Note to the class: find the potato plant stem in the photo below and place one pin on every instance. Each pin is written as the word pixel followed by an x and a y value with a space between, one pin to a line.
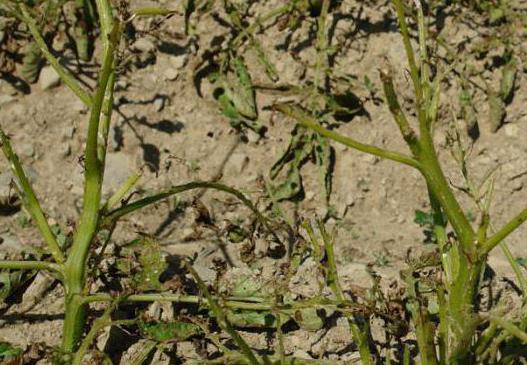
pixel 64 74
pixel 30 265
pixel 75 272
pixel 30 200
pixel 309 122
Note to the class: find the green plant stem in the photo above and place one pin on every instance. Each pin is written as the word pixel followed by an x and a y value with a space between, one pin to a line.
pixel 92 185
pixel 101 322
pixel 502 233
pixel 30 200
pixel 151 11
pixel 247 32
pixel 309 122
pixel 414 71
pixel 30 265
pixel 360 331
pixel 121 192
pixel 398 115
pixel 510 328
pixel 75 308
pixel 321 46
pixel 64 74
pixel 423 325
pixel 222 321
pixel 118 213
pixel 343 305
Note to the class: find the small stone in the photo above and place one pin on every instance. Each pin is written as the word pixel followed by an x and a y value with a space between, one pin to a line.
pixel 48 78
pixel 79 106
pixel 179 61
pixel 144 45
pixel 238 162
pixel 310 194
pixel 65 150
pixel 5 99
pixel 511 130
pixel 159 104
pixel 300 354
pixel 118 169
pixel 121 85
pixel 252 136
pixel 26 150
pixel 171 74
pixel 68 132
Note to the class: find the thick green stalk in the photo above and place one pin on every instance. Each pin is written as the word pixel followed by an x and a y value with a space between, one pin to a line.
pixel 92 185
pixel 76 309
pixel 440 187
pixel 361 333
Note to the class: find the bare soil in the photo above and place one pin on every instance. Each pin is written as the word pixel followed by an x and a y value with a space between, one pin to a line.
pixel 176 133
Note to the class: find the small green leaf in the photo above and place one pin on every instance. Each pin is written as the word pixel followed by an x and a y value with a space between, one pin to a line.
pixel 496 111
pixel 142 258
pixel 10 355
pixel 247 286
pixel 469 113
pixel 308 319
pixel 291 187
pixel 508 77
pixel 423 219
pixel 32 62
pixel 237 234
pixel 251 319
pixel 167 331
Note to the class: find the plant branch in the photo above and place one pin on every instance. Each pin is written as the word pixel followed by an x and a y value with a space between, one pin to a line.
pixel 506 230
pixel 414 70
pixel 93 171
pixel 251 304
pixel 64 74
pixel 221 319
pixel 309 122
pixel 30 200
pixel 115 214
pixel 398 115
pixel 30 265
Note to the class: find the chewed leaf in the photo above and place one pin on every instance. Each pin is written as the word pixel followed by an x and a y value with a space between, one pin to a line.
pixel 508 77
pixel 247 286
pixel 235 94
pixel 469 113
pixel 143 260
pixel 251 319
pixel 496 111
pixel 423 219
pixel 291 187
pixel 308 319
pixel 32 62
pixel 9 354
pixel 11 281
pixel 299 139
pixel 167 331
pixel 241 91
